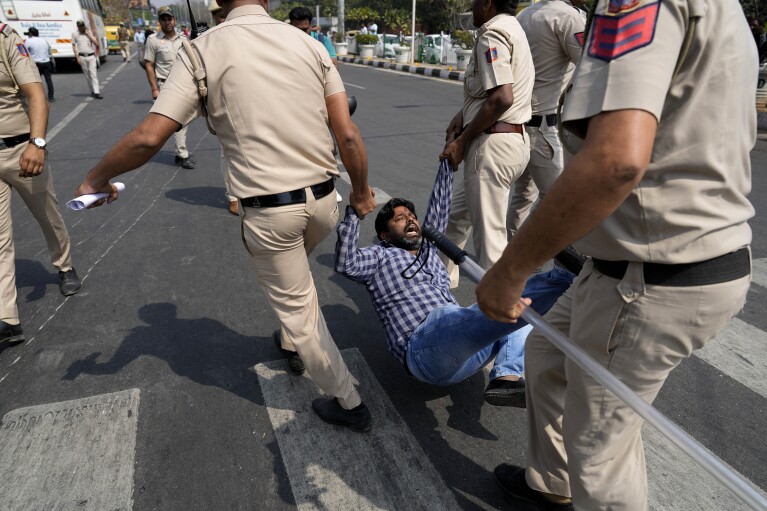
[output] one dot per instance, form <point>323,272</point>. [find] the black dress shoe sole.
<point>14,339</point>
<point>515,399</point>
<point>360,428</point>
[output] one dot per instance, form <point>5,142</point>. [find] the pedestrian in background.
<point>663,215</point>
<point>301,18</point>
<point>140,39</point>
<point>554,29</point>
<point>40,51</point>
<point>84,46</point>
<point>124,37</point>
<point>24,167</point>
<point>159,56</point>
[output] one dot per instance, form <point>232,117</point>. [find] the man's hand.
<point>363,203</point>
<point>454,128</point>
<point>155,93</point>
<point>453,152</point>
<point>78,59</point>
<point>32,161</point>
<point>86,188</point>
<point>498,295</point>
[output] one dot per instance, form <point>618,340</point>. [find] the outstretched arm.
<point>359,264</point>
<point>441,198</point>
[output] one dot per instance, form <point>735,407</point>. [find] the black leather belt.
<point>288,198</point>
<point>726,268</point>
<point>537,120</point>
<point>86,54</point>
<point>9,142</point>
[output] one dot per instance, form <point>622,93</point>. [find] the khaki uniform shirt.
<point>554,30</point>
<point>13,119</point>
<point>691,204</point>
<point>83,43</point>
<point>501,56</point>
<point>162,52</point>
<point>267,84</point>
<point>122,34</point>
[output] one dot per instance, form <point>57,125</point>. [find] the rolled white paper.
<point>86,200</point>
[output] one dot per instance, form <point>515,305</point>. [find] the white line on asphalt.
<point>333,468</point>
<point>353,85</point>
<point>739,351</point>
<point>79,108</point>
<point>759,269</point>
<point>73,454</point>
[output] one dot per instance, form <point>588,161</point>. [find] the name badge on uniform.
<point>491,55</point>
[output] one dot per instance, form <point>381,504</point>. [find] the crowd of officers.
<point>645,186</point>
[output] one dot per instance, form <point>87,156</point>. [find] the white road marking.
<point>759,272</point>
<point>333,468</point>
<point>70,455</point>
<point>79,108</point>
<point>354,85</point>
<point>675,482</point>
<point>740,351</point>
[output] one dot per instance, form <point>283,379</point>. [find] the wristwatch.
<point>39,142</point>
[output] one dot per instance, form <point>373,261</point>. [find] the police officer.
<point>159,55</point>
<point>658,201</point>
<point>23,166</point>
<point>271,112</point>
<point>84,47</point>
<point>554,29</point>
<point>124,37</point>
<point>489,131</point>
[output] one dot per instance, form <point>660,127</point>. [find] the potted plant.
<point>342,47</point>
<point>366,44</point>
<point>402,52</point>
<point>463,41</point>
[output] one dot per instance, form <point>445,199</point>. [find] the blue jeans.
<point>454,342</point>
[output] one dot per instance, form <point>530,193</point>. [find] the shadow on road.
<point>211,196</point>
<point>33,274</point>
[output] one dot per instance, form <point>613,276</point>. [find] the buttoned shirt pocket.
<point>472,83</point>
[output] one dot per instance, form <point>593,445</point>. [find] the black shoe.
<point>511,479</point>
<point>179,159</point>
<point>294,360</point>
<point>69,282</point>
<point>506,393</point>
<point>97,96</point>
<point>51,100</point>
<point>357,419</point>
<point>12,334</point>
<point>186,163</point>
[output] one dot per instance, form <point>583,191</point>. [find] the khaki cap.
<point>164,11</point>
<point>213,6</point>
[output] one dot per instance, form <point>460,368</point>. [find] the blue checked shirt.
<point>402,304</point>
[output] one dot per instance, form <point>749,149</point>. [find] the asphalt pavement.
<point>158,386</point>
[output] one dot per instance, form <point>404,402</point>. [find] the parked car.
<point>385,45</point>
<point>432,47</point>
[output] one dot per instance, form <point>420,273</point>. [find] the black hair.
<point>506,6</point>
<point>300,14</point>
<point>387,213</point>
<point>33,32</point>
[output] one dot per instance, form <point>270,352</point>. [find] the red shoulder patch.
<point>580,37</point>
<point>22,50</point>
<point>491,55</point>
<point>615,36</point>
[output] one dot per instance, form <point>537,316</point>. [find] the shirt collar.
<point>161,35</point>
<point>245,10</point>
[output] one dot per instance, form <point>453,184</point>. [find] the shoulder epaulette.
<point>7,29</point>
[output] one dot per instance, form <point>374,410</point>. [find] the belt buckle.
<point>256,203</point>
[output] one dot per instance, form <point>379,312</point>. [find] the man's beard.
<point>406,243</point>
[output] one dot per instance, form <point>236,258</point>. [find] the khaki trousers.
<point>545,166</point>
<point>125,50</point>
<point>227,178</point>
<point>37,193</point>
<point>180,135</point>
<point>492,164</point>
<point>279,240</point>
<point>88,65</point>
<point>583,441</point>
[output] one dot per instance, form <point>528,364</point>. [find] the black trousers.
<point>45,69</point>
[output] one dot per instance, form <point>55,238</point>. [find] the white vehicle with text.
<point>55,20</point>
